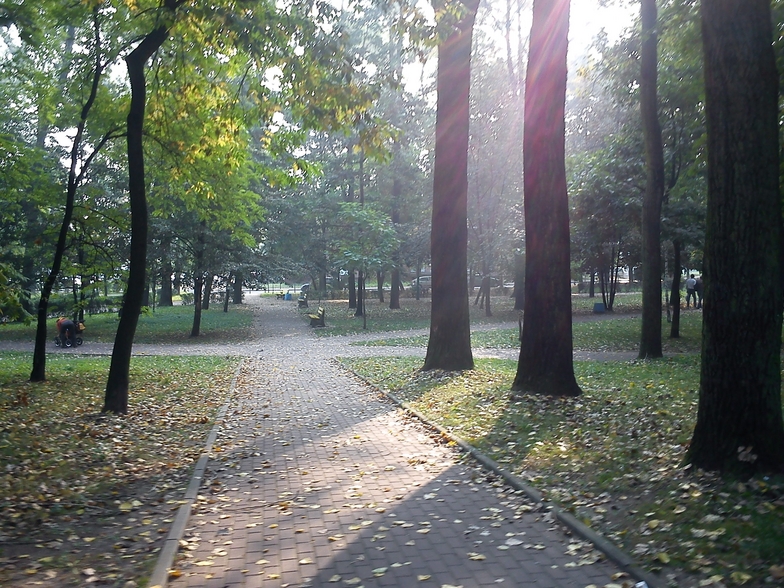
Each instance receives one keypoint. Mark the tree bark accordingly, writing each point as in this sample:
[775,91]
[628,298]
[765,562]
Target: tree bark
[352,289]
[739,420]
[360,310]
[650,337]
[116,395]
[228,292]
[166,285]
[394,291]
[675,293]
[205,299]
[238,279]
[449,345]
[545,365]
[198,288]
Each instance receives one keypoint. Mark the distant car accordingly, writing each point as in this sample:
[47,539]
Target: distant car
[425,283]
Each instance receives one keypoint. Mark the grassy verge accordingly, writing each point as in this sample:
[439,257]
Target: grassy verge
[415,314]
[86,497]
[606,334]
[167,325]
[613,456]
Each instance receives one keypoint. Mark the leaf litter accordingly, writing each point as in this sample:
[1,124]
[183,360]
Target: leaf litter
[614,457]
[88,497]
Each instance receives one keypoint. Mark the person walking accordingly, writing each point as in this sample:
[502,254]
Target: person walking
[698,290]
[691,293]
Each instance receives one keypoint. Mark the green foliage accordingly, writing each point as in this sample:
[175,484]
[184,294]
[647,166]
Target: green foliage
[11,295]
[367,238]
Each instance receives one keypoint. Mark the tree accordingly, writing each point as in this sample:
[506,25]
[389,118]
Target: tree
[545,363]
[650,338]
[739,419]
[79,164]
[116,395]
[367,243]
[449,345]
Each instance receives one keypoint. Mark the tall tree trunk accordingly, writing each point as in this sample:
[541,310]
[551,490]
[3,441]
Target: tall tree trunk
[352,289]
[116,395]
[166,283]
[394,291]
[449,345]
[228,293]
[380,286]
[198,288]
[675,293]
[650,337]
[739,418]
[545,364]
[238,279]
[38,372]
[205,300]
[360,294]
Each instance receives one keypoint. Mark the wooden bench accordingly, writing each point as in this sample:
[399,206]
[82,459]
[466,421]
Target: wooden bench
[302,301]
[317,320]
[280,295]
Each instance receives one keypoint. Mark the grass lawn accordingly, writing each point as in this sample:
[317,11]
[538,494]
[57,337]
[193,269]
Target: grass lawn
[80,490]
[614,456]
[415,314]
[605,334]
[167,325]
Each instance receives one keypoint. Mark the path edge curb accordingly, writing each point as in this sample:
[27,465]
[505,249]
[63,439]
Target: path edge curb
[624,561]
[160,575]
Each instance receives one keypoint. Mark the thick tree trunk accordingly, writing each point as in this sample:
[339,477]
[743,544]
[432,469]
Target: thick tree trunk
[485,287]
[228,293]
[116,395]
[352,289]
[238,279]
[394,290]
[166,285]
[449,345]
[545,364]
[739,419]
[650,337]
[675,293]
[205,299]
[198,288]
[360,310]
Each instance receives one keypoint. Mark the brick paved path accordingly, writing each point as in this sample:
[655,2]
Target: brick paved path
[316,480]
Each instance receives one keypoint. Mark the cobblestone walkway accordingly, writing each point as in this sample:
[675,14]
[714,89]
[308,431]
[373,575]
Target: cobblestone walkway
[316,480]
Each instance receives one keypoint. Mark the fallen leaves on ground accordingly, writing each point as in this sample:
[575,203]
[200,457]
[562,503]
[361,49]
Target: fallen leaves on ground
[88,497]
[614,457]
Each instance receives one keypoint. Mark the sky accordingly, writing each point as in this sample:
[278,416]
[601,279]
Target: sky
[587,18]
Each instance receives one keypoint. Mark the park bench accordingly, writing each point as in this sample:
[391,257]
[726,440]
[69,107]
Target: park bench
[302,301]
[317,320]
[280,295]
